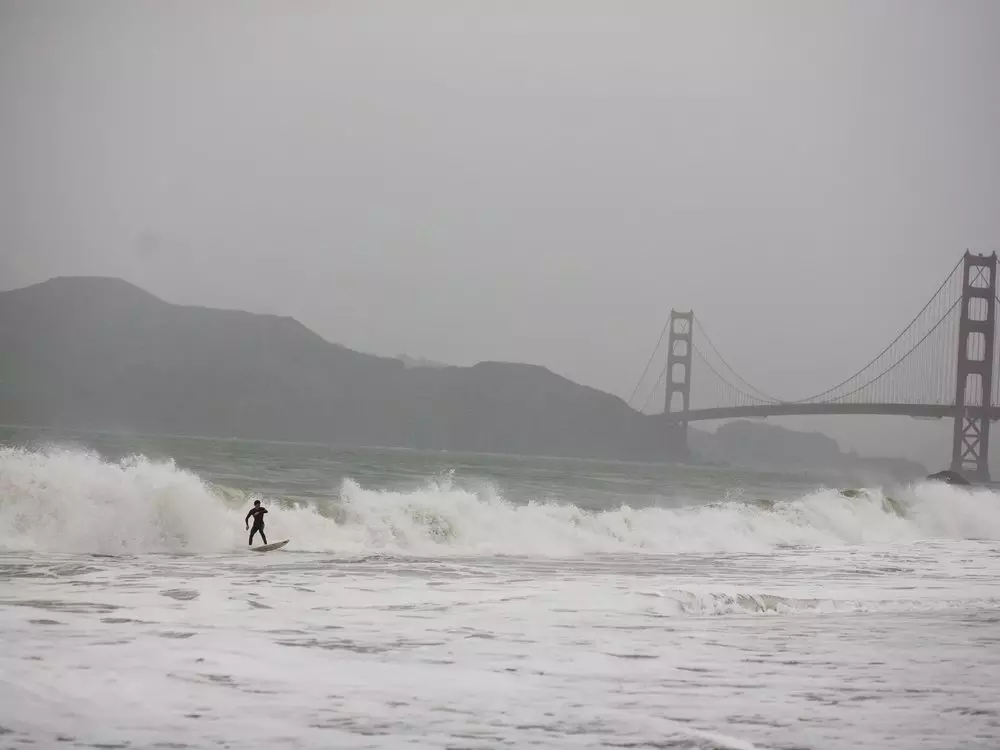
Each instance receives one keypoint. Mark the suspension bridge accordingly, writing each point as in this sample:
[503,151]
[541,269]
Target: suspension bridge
[940,366]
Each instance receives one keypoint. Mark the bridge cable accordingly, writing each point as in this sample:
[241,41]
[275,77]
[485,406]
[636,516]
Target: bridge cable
[764,396]
[900,361]
[655,388]
[888,347]
[646,368]
[704,359]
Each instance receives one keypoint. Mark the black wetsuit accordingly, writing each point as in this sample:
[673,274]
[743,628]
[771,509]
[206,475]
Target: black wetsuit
[258,523]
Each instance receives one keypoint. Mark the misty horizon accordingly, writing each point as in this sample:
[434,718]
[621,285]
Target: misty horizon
[534,185]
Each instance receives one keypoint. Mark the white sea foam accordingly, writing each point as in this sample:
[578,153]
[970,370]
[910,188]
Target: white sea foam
[824,644]
[71,500]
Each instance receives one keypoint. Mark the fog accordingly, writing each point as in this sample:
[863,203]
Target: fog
[538,182]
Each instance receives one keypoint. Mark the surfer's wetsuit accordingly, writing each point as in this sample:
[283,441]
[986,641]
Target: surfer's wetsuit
[258,523]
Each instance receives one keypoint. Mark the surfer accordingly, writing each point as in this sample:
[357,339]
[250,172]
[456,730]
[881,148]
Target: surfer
[258,522]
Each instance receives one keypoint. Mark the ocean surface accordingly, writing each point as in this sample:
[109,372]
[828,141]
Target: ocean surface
[456,601]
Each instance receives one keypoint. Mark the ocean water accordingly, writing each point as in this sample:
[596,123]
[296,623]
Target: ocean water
[437,600]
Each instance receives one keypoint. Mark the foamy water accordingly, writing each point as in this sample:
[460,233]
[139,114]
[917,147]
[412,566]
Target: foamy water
[61,500]
[439,612]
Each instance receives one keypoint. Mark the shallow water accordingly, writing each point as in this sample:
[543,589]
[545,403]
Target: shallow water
[483,607]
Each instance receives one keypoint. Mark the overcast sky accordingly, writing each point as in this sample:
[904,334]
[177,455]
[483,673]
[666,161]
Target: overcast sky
[535,181]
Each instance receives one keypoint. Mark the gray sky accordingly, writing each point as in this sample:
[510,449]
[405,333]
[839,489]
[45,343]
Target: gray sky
[535,181]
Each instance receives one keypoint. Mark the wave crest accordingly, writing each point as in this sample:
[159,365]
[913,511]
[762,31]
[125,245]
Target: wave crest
[73,501]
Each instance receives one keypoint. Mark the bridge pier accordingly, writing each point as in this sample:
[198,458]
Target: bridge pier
[974,371]
[678,392]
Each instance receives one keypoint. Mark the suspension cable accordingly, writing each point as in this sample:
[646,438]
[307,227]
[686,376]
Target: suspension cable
[900,361]
[704,359]
[764,396]
[887,348]
[655,387]
[651,358]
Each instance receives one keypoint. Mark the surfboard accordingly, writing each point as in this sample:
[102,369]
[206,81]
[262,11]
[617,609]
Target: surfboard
[271,546]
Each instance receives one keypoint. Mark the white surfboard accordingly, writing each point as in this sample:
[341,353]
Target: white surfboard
[271,546]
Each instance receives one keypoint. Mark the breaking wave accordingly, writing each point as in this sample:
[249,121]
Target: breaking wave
[73,501]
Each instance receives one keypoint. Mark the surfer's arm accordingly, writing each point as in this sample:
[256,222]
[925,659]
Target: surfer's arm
[247,519]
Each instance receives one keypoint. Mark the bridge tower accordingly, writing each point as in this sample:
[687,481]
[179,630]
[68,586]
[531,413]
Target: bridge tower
[974,373]
[678,393]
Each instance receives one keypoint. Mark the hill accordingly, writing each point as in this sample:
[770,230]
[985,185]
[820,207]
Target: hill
[100,353]
[762,445]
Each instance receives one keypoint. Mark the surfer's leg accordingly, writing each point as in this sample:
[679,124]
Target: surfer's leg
[256,529]
[252,532]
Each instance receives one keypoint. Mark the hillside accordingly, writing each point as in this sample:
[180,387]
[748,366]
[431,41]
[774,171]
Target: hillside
[763,445]
[99,353]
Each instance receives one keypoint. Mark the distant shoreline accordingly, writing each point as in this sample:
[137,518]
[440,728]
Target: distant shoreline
[764,470]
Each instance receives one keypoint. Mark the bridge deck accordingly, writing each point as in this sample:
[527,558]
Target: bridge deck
[925,411]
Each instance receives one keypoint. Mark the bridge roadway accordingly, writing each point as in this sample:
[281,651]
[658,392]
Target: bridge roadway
[919,411]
